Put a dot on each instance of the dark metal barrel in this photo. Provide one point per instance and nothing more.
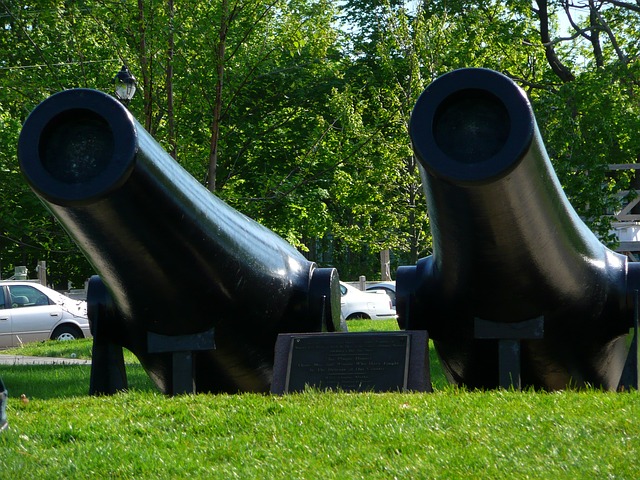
(175, 259)
(507, 245)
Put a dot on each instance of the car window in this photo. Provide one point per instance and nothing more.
(26, 296)
(2, 298)
(343, 290)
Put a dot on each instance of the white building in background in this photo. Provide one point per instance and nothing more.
(626, 224)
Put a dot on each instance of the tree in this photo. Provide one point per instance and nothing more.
(43, 50)
(589, 120)
(395, 52)
(275, 51)
(301, 122)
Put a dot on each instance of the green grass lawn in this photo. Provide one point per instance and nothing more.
(451, 433)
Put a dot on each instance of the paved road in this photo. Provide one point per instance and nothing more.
(25, 360)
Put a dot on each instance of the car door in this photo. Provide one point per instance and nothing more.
(5, 321)
(32, 314)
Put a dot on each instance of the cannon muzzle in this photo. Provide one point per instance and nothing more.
(507, 245)
(176, 260)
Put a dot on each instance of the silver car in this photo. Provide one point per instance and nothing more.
(388, 287)
(356, 304)
(30, 312)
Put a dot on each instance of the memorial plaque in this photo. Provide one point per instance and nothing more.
(367, 361)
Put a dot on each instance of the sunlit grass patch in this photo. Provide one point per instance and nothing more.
(448, 434)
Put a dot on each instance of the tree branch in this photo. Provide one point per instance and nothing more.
(579, 32)
(555, 63)
(605, 26)
(628, 6)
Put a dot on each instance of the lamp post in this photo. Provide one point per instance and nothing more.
(125, 84)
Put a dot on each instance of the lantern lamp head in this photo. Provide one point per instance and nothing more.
(125, 84)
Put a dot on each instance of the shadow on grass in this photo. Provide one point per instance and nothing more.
(438, 379)
(62, 381)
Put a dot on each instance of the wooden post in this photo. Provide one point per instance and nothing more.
(42, 272)
(385, 265)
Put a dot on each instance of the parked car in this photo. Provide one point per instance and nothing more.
(355, 303)
(30, 312)
(388, 287)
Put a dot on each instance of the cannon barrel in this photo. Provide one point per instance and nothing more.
(507, 245)
(175, 259)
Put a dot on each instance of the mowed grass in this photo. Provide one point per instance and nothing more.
(451, 433)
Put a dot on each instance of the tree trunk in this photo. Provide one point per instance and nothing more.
(556, 65)
(595, 35)
(217, 105)
(144, 66)
(414, 230)
(170, 115)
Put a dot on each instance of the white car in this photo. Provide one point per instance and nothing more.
(30, 312)
(355, 303)
(389, 287)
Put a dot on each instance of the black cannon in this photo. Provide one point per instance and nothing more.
(183, 276)
(513, 266)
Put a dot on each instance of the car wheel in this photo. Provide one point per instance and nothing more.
(358, 316)
(66, 332)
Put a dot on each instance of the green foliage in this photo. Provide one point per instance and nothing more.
(46, 47)
(587, 125)
(315, 102)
